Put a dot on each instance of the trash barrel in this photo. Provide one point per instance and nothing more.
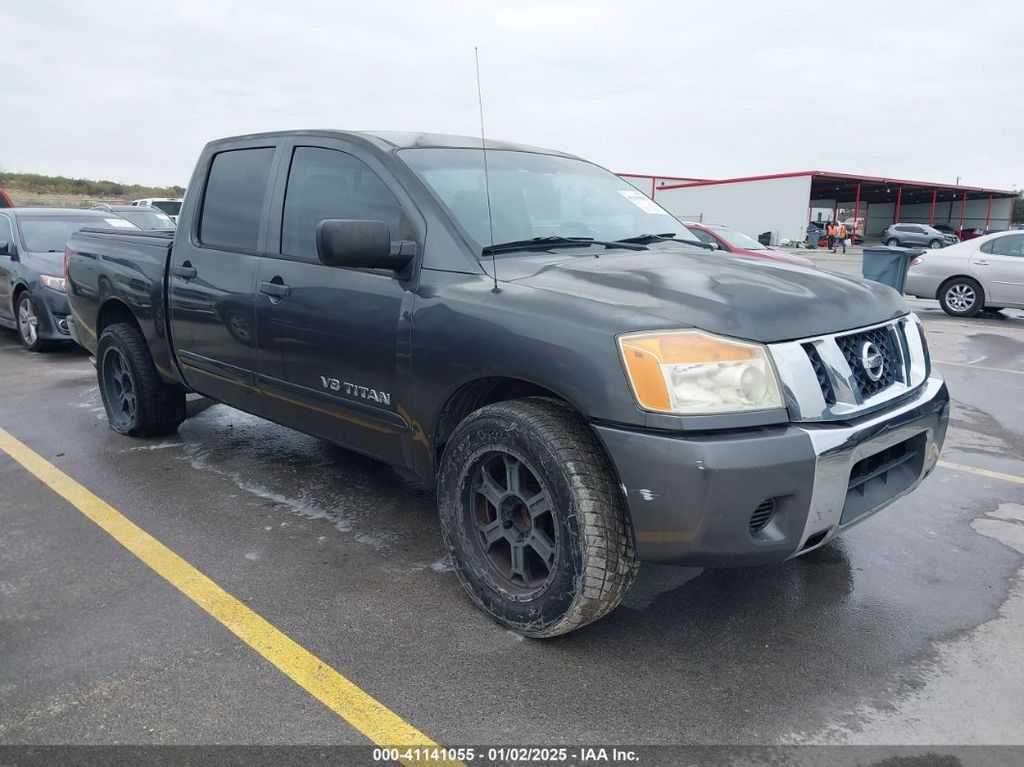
(888, 265)
(765, 238)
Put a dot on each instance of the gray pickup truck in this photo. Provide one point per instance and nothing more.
(587, 386)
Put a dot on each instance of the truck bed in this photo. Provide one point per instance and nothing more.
(129, 266)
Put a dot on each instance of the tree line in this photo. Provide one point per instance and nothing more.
(36, 182)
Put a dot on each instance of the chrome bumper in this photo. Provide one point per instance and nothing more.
(921, 420)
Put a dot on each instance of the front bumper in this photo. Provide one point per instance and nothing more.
(54, 314)
(692, 498)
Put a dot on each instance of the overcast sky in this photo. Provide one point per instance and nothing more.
(130, 91)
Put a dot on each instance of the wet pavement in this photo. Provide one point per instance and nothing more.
(907, 630)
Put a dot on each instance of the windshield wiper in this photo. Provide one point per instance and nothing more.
(647, 239)
(555, 241)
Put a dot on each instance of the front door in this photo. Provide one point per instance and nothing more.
(6, 270)
(330, 338)
(212, 278)
(999, 265)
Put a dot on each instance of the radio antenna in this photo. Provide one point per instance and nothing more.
(487, 178)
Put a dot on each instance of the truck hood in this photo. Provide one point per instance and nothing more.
(756, 300)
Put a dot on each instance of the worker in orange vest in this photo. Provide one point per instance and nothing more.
(841, 237)
(830, 233)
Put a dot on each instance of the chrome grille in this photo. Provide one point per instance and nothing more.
(824, 378)
(884, 340)
(821, 373)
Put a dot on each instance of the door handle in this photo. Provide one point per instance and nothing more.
(981, 263)
(186, 271)
(275, 289)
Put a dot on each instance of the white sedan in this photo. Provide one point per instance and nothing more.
(983, 273)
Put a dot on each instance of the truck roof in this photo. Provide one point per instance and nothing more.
(406, 140)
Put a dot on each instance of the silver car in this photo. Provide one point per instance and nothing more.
(983, 273)
(916, 235)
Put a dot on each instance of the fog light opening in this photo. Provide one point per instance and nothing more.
(762, 516)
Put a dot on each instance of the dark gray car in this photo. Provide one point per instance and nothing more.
(920, 235)
(33, 299)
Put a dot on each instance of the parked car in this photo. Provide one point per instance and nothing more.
(32, 290)
(945, 229)
(983, 273)
(169, 205)
(734, 241)
(583, 392)
(145, 217)
(969, 233)
(920, 235)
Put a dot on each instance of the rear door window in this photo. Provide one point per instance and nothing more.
(1008, 246)
(233, 202)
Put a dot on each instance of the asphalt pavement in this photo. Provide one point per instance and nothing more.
(907, 630)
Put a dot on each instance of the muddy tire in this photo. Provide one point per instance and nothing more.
(961, 297)
(533, 518)
(137, 401)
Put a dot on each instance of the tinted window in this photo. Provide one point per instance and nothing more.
(1012, 245)
(324, 183)
(234, 199)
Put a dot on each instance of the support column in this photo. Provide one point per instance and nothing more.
(856, 215)
(899, 200)
(963, 209)
(988, 211)
(931, 213)
(653, 182)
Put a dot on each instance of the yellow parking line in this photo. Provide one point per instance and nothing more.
(982, 472)
(978, 367)
(371, 717)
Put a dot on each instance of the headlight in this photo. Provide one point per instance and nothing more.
(689, 372)
(54, 283)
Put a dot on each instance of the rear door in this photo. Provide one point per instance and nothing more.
(999, 266)
(330, 338)
(212, 280)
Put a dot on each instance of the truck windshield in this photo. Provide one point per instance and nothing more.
(49, 233)
(170, 207)
(152, 220)
(537, 195)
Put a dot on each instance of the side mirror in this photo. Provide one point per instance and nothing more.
(5, 248)
(714, 245)
(361, 245)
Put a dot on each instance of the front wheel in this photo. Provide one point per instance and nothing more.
(961, 297)
(533, 518)
(137, 401)
(28, 324)
(892, 243)
(935, 244)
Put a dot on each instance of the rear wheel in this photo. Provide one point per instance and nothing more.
(28, 324)
(892, 242)
(137, 401)
(533, 518)
(961, 297)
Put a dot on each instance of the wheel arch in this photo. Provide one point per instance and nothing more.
(114, 310)
(480, 392)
